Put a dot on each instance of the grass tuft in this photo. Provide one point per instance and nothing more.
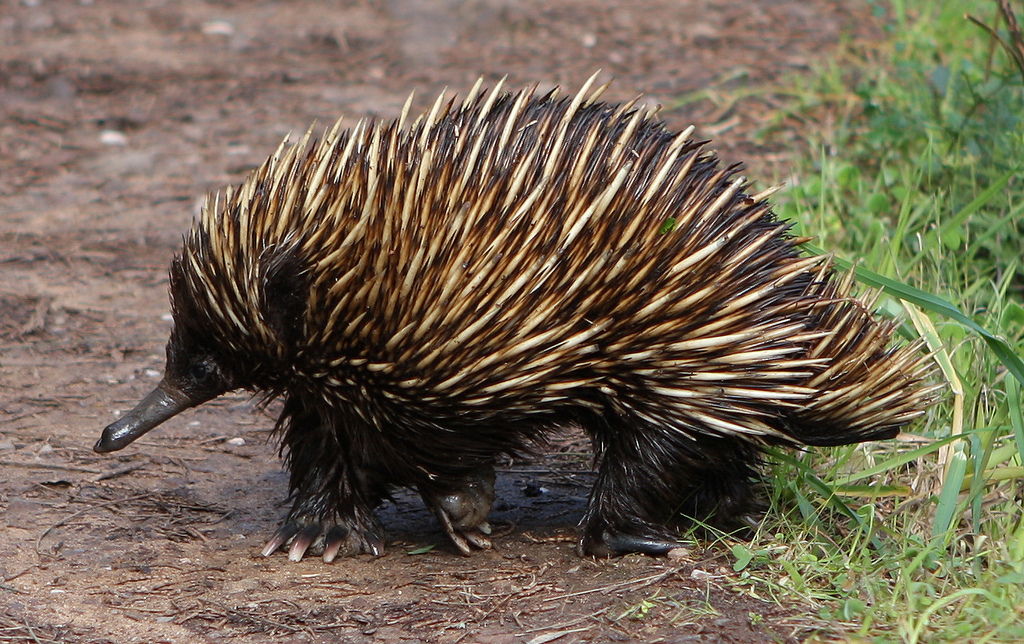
(914, 152)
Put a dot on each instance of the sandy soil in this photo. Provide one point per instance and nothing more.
(115, 119)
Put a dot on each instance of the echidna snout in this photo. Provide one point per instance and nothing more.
(191, 378)
(429, 297)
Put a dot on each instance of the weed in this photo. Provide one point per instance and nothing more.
(915, 149)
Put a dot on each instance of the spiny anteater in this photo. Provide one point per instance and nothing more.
(428, 299)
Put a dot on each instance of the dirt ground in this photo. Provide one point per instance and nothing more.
(115, 119)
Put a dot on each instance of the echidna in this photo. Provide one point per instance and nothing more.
(429, 298)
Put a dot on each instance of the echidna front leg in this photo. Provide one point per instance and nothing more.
(462, 506)
(341, 535)
(334, 497)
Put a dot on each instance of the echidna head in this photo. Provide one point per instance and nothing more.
(194, 375)
(237, 319)
(197, 369)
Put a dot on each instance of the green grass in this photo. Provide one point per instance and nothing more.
(915, 172)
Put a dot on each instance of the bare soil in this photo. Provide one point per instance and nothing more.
(115, 119)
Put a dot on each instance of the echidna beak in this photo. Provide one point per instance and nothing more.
(158, 405)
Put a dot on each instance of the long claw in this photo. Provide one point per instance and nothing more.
(617, 543)
(306, 536)
(283, 534)
(461, 507)
(453, 534)
(301, 537)
(374, 542)
(465, 539)
(333, 542)
(478, 537)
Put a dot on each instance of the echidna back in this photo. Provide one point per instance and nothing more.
(516, 257)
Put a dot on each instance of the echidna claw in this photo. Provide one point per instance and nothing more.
(333, 542)
(478, 537)
(467, 538)
(373, 543)
(281, 537)
(310, 537)
(462, 507)
(306, 536)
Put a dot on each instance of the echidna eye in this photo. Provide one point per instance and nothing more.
(199, 370)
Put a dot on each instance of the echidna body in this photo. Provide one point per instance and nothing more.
(429, 298)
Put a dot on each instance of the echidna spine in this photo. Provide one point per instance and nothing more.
(430, 293)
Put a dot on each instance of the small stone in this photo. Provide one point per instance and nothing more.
(113, 137)
(238, 441)
(218, 28)
(676, 554)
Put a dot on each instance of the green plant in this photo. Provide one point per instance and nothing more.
(915, 149)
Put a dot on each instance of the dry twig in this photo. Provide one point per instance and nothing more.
(1014, 48)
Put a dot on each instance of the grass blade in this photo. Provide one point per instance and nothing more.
(936, 304)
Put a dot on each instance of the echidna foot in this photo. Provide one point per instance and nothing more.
(611, 542)
(465, 539)
(462, 508)
(310, 536)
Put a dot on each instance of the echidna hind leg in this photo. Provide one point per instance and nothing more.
(462, 506)
(627, 510)
(334, 497)
(663, 479)
(614, 524)
(724, 493)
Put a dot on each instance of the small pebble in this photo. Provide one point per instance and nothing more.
(237, 441)
(151, 373)
(675, 554)
(113, 137)
(218, 28)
